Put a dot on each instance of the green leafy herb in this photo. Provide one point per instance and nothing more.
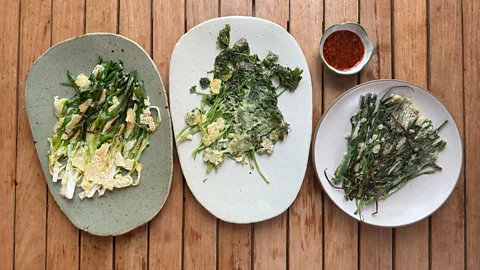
(204, 82)
(223, 40)
(193, 89)
(390, 143)
(240, 118)
(289, 78)
(101, 131)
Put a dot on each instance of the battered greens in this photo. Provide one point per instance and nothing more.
(390, 144)
(239, 117)
(101, 131)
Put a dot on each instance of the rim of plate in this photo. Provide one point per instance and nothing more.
(311, 114)
(168, 115)
(353, 89)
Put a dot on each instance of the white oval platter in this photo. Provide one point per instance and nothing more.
(236, 193)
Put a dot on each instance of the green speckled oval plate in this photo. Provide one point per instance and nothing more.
(121, 210)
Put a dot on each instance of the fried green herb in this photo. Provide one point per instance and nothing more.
(204, 82)
(223, 39)
(390, 143)
(101, 131)
(289, 79)
(239, 118)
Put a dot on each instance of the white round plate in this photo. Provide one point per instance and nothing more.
(237, 193)
(421, 196)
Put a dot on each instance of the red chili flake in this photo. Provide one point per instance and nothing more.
(343, 50)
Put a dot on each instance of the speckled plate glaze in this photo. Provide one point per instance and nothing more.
(417, 199)
(122, 210)
(237, 193)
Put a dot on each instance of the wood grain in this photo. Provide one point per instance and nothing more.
(234, 246)
(235, 7)
(410, 41)
(131, 249)
(375, 17)
(341, 231)
(101, 16)
(39, 236)
(31, 192)
(67, 22)
(166, 229)
(270, 237)
(276, 11)
(8, 109)
(448, 223)
(196, 11)
(410, 54)
(200, 231)
(305, 220)
(471, 78)
(375, 246)
(135, 23)
(200, 235)
(270, 244)
(96, 252)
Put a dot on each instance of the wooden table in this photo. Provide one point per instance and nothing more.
(433, 43)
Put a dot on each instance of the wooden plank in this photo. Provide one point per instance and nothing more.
(166, 229)
(236, 7)
(270, 237)
(276, 11)
(375, 17)
(31, 192)
(410, 54)
(8, 139)
(135, 23)
(341, 231)
(305, 220)
(375, 246)
(445, 50)
(101, 16)
(95, 252)
(234, 246)
(269, 244)
(131, 249)
(196, 11)
(66, 22)
(200, 235)
(200, 231)
(471, 79)
(62, 240)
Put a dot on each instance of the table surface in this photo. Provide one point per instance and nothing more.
(432, 43)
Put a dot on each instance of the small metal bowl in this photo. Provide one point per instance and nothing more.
(360, 31)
